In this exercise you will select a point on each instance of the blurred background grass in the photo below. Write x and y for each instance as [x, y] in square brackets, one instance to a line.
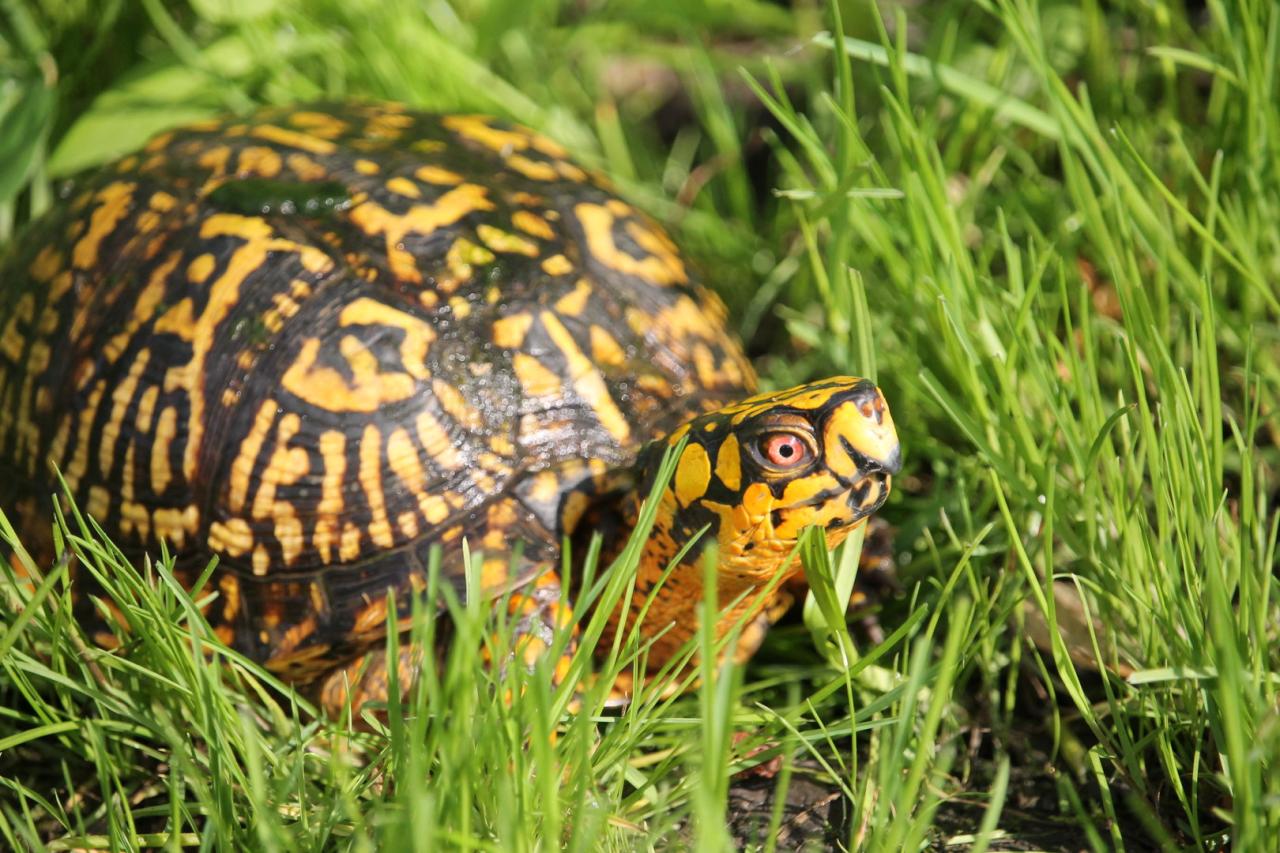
[1047, 229]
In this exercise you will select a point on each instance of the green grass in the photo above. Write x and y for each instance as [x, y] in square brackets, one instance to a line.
[1047, 230]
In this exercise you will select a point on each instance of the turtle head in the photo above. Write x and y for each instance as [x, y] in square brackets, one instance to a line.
[752, 477]
[759, 472]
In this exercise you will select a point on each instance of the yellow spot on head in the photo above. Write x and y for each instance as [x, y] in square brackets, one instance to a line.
[729, 462]
[379, 527]
[804, 489]
[693, 474]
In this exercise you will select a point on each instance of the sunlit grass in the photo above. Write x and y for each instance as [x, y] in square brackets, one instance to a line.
[1047, 230]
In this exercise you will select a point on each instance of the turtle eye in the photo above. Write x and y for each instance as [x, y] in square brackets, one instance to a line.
[784, 450]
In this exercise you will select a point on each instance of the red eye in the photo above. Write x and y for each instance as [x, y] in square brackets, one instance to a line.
[784, 450]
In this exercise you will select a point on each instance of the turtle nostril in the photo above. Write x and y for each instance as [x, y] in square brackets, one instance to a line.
[892, 463]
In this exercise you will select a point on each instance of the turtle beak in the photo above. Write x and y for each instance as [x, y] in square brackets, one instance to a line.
[862, 446]
[859, 432]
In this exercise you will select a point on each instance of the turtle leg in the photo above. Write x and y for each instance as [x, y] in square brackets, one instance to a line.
[520, 578]
[367, 679]
[541, 612]
[538, 613]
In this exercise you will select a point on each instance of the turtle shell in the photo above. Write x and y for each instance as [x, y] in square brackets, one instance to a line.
[313, 343]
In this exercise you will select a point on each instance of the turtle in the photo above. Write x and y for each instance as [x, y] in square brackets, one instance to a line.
[317, 343]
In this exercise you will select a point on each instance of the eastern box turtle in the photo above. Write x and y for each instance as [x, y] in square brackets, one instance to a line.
[316, 344]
